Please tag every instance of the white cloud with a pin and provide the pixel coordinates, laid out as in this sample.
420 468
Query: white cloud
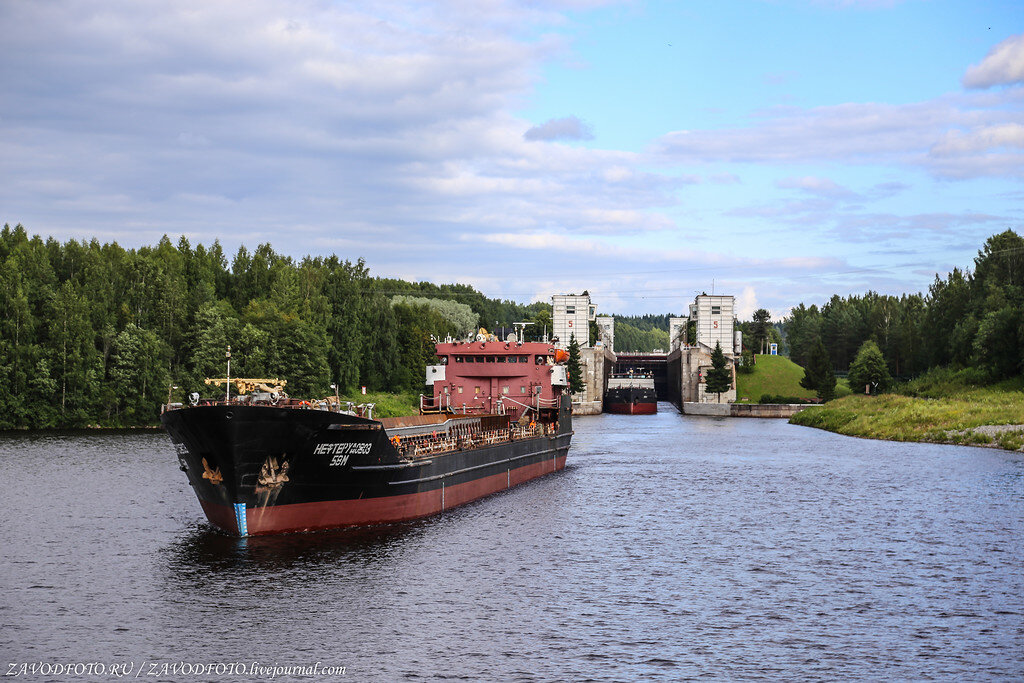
568 128
1004 65
822 187
981 139
864 133
746 303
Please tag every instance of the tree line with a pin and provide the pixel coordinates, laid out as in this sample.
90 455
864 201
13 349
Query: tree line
96 334
971 320
642 332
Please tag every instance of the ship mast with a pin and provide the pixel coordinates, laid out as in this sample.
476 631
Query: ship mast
228 399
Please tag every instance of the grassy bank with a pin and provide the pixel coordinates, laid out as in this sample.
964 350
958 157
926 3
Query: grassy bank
388 405
774 375
938 408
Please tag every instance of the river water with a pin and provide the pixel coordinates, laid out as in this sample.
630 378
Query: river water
671 547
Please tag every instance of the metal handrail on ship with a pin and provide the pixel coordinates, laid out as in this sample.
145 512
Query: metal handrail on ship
427 444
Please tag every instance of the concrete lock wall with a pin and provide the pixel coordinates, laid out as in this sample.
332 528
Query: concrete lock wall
685 366
783 410
596 363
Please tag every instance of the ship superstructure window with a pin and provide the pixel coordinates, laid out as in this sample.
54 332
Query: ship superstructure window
490 359
570 310
476 390
716 310
458 359
502 359
522 389
478 359
504 390
460 390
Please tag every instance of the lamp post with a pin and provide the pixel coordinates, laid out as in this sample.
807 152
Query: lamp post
172 388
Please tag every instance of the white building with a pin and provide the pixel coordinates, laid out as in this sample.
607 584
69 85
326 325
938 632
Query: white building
715 318
606 330
570 316
676 332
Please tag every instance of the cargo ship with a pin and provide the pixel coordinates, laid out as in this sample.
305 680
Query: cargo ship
631 394
261 462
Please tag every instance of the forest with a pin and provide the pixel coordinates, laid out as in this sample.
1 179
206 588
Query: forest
641 332
97 335
971 320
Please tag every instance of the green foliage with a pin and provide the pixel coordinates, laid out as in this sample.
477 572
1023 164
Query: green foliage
746 366
386 404
773 399
819 375
869 370
760 330
460 317
950 416
95 334
575 370
418 326
966 320
719 377
541 319
630 338
139 370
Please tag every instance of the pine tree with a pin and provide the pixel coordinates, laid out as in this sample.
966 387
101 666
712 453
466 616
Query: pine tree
819 375
719 377
575 371
760 328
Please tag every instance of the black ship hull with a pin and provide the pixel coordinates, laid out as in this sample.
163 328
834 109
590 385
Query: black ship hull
631 401
263 470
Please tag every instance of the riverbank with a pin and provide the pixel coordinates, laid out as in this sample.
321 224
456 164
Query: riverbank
388 405
967 415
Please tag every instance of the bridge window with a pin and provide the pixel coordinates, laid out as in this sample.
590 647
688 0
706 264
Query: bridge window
478 359
490 359
570 310
716 310
502 359
458 359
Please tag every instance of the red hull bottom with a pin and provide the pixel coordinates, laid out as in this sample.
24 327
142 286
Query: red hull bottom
335 514
631 408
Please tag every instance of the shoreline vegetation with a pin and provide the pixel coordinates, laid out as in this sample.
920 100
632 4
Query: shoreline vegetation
942 406
384 405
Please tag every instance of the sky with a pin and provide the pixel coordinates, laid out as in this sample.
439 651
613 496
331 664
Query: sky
778 150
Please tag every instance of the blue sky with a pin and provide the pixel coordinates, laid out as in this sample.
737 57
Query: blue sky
781 151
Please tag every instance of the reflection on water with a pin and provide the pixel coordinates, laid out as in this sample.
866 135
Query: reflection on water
206 550
670 547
